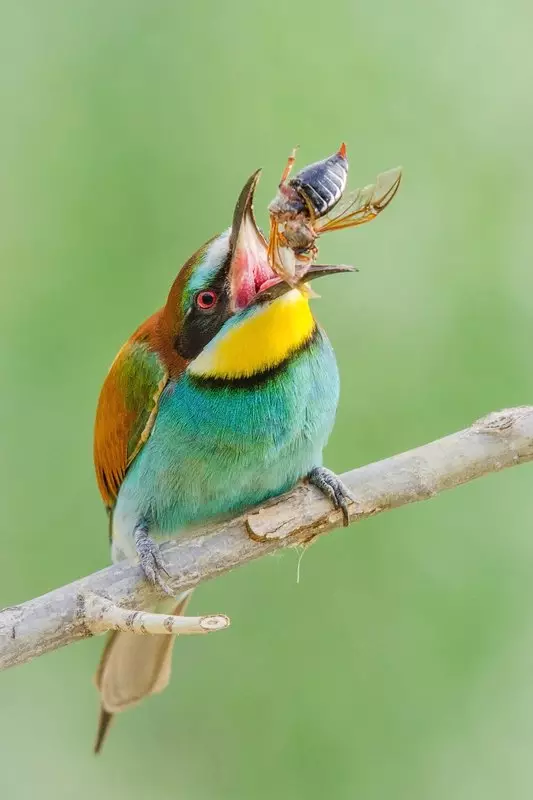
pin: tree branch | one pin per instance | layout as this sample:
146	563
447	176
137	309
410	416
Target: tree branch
502	439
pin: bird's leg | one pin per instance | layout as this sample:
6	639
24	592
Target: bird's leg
332	486
264	526
150	558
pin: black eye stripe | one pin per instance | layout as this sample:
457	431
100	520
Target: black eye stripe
201	323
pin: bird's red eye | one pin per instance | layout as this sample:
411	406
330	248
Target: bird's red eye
206	300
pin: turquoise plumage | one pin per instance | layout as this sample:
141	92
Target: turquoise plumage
215	450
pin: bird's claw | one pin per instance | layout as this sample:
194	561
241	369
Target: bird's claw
151	561
332	486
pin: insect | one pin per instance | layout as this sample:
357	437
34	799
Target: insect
302	210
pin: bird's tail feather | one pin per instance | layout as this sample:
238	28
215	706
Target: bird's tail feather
133	667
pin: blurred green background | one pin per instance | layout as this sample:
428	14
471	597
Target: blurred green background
401	666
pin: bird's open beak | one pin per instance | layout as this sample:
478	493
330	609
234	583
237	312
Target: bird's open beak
276	288
251	279
249	268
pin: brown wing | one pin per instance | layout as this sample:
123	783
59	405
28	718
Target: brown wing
126	411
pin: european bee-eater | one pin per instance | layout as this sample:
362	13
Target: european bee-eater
223	398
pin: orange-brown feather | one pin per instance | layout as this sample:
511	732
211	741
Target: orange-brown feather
128	401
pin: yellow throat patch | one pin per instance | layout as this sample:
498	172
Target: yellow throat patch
260	342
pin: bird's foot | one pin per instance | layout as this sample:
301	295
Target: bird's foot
151	560
332	486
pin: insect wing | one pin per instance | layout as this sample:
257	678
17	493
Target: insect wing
363	205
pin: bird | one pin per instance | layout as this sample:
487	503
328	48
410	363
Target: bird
223	398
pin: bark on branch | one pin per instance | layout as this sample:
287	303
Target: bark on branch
87	606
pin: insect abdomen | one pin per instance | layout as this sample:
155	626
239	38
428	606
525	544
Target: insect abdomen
323	183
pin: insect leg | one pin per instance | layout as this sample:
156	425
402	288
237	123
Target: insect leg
288	166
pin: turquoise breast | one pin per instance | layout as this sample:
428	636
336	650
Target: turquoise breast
217	448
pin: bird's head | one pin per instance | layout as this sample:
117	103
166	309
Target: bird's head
228	315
